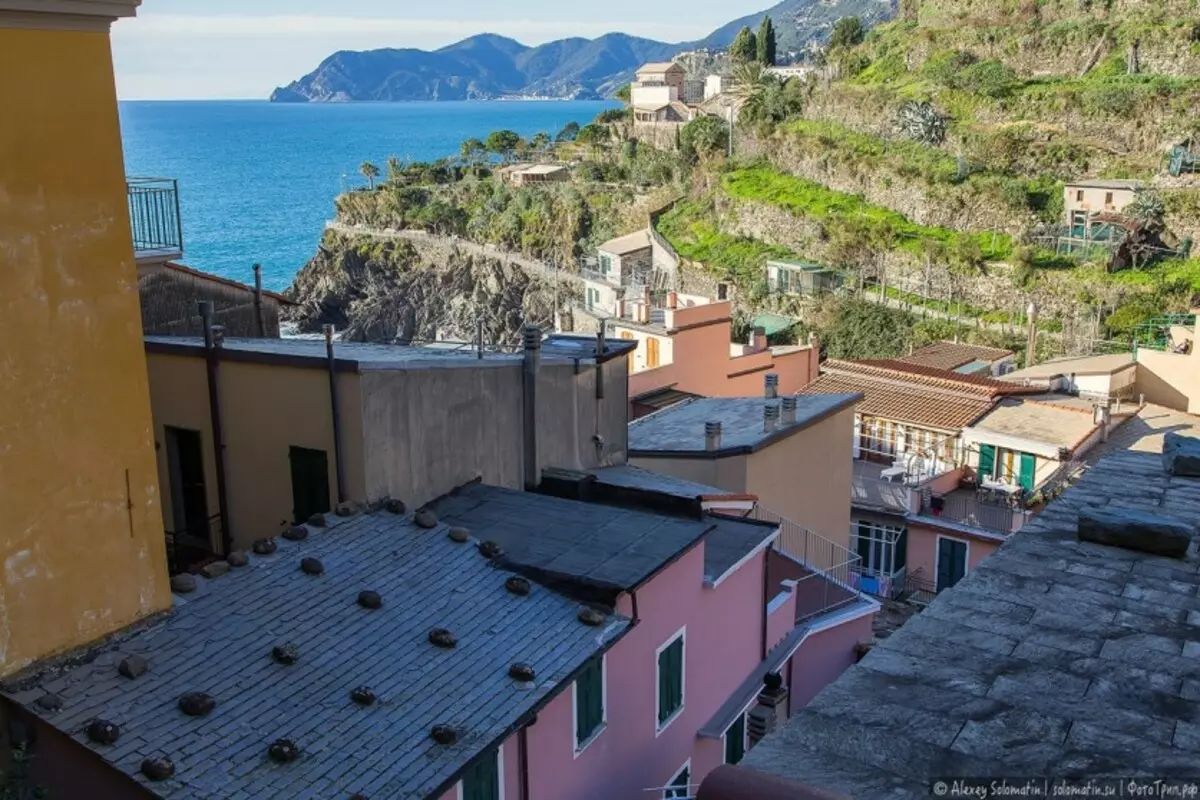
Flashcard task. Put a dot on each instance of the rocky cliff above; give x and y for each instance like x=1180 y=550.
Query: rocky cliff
x=385 y=290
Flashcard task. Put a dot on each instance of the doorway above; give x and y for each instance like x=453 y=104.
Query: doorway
x=951 y=562
x=310 y=483
x=189 y=493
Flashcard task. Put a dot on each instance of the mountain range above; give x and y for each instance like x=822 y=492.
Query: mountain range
x=488 y=66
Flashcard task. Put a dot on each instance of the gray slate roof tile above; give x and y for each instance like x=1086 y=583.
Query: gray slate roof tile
x=1052 y=657
x=219 y=641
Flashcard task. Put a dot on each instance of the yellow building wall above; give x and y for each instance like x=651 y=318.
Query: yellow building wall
x=265 y=410
x=81 y=544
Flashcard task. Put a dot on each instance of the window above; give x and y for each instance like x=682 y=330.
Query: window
x=605 y=264
x=589 y=704
x=1108 y=198
x=651 y=352
x=678 y=787
x=951 y=562
x=484 y=780
x=670 y=680
x=593 y=298
x=883 y=548
x=735 y=740
x=1079 y=195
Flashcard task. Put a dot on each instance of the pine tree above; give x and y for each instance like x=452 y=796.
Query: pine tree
x=766 y=42
x=744 y=47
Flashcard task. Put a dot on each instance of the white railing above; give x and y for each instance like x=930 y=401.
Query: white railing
x=829 y=582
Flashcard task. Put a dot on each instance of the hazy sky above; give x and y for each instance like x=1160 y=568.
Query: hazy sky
x=222 y=48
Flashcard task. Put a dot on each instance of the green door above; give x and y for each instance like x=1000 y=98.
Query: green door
x=735 y=741
x=310 y=483
x=951 y=562
x=1028 y=468
x=987 y=461
x=482 y=780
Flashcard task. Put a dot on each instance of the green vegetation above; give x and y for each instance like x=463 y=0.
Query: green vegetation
x=767 y=99
x=370 y=172
x=766 y=42
x=703 y=137
x=690 y=228
x=744 y=47
x=502 y=143
x=847 y=32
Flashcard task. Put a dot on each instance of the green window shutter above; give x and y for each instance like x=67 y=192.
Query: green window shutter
x=1028 y=470
x=589 y=702
x=735 y=741
x=670 y=680
x=987 y=460
x=482 y=780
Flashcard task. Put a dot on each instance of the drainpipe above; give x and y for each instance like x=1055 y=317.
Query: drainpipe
x=599 y=367
x=259 y=319
x=337 y=417
x=212 y=353
x=765 y=600
x=523 y=745
x=532 y=336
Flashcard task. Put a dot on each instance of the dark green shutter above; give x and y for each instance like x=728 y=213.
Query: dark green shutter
x=735 y=741
x=670 y=680
x=482 y=780
x=987 y=460
x=589 y=702
x=1028 y=469
x=951 y=562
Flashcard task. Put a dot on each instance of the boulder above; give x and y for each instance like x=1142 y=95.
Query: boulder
x=183 y=583
x=238 y=558
x=214 y=570
x=1181 y=455
x=1135 y=530
x=133 y=666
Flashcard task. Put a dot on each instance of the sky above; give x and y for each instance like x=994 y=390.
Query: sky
x=202 y=49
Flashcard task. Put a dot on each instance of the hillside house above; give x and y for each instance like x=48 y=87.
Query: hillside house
x=539 y=173
x=1084 y=198
x=1101 y=377
x=656 y=85
x=801 y=278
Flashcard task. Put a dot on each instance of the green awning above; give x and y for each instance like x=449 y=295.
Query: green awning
x=773 y=323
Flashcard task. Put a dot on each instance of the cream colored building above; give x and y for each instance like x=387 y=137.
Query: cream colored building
x=789 y=452
x=1083 y=198
x=412 y=424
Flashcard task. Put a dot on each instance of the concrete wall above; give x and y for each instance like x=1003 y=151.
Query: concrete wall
x=822 y=659
x=804 y=477
x=1170 y=379
x=570 y=416
x=1093 y=199
x=265 y=410
x=652 y=96
x=639 y=361
x=607 y=301
x=81 y=544
x=725 y=473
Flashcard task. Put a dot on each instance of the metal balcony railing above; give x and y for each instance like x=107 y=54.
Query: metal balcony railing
x=966 y=509
x=154 y=215
x=829 y=582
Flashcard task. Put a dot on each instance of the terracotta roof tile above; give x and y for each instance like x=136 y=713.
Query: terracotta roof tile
x=950 y=355
x=913 y=404
x=891 y=369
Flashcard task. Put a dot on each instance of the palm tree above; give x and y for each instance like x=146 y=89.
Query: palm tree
x=395 y=168
x=370 y=172
x=765 y=97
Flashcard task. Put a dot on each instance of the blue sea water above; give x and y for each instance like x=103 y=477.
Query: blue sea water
x=257 y=180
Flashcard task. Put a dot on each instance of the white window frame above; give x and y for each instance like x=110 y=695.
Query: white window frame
x=937 y=556
x=579 y=747
x=660 y=727
x=745 y=733
x=499 y=775
x=887 y=535
x=687 y=765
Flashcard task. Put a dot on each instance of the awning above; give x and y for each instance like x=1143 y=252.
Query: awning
x=773 y=323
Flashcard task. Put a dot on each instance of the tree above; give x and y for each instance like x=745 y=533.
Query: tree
x=744 y=47
x=625 y=93
x=766 y=99
x=847 y=32
x=370 y=172
x=395 y=168
x=473 y=151
x=568 y=133
x=766 y=42
x=502 y=143
x=703 y=136
x=593 y=135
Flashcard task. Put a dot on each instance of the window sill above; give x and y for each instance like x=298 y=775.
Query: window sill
x=579 y=748
x=662 y=726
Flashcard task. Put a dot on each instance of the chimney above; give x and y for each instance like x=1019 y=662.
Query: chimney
x=1031 y=345
x=771 y=711
x=788 y=411
x=532 y=337
x=722 y=291
x=712 y=436
x=1101 y=414
x=758 y=339
x=770 y=417
x=672 y=300
x=771 y=386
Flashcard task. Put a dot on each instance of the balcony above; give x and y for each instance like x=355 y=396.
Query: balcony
x=824 y=571
x=870 y=489
x=966 y=507
x=154 y=218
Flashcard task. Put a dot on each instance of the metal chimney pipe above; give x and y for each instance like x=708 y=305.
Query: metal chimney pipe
x=770 y=417
x=212 y=352
x=259 y=319
x=771 y=386
x=1031 y=345
x=532 y=337
x=788 y=410
x=334 y=409
x=712 y=436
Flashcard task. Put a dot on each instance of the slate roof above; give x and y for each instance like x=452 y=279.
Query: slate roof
x=679 y=429
x=602 y=547
x=909 y=403
x=949 y=355
x=219 y=641
x=1053 y=657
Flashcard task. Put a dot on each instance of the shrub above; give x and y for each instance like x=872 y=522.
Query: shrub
x=988 y=78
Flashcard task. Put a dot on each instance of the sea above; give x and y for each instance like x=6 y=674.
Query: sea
x=257 y=180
